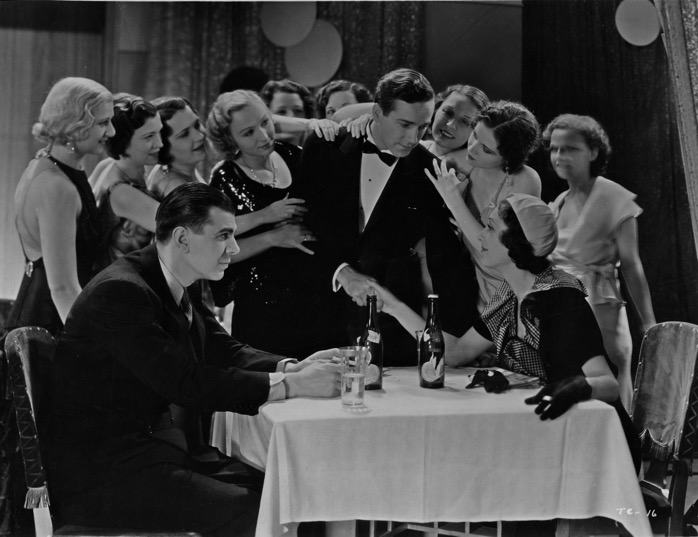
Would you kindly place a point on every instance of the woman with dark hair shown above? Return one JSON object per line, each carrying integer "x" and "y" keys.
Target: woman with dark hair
{"x": 183, "y": 146}
{"x": 340, "y": 93}
{"x": 276, "y": 299}
{"x": 290, "y": 99}
{"x": 56, "y": 215}
{"x": 597, "y": 219}
{"x": 454, "y": 117}
{"x": 538, "y": 320}
{"x": 126, "y": 207}
{"x": 492, "y": 167}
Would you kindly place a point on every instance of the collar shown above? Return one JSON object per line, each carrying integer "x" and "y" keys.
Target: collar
{"x": 369, "y": 137}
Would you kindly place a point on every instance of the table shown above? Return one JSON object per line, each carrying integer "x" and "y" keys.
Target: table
{"x": 434, "y": 455}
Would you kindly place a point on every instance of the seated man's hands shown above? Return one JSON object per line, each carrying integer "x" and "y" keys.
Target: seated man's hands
{"x": 555, "y": 399}
{"x": 316, "y": 376}
{"x": 358, "y": 286}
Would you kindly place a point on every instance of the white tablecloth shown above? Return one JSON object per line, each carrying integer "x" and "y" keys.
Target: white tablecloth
{"x": 434, "y": 455}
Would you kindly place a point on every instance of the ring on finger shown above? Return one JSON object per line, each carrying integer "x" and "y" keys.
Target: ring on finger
{"x": 547, "y": 399}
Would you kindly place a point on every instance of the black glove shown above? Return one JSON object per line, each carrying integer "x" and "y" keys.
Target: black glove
{"x": 493, "y": 381}
{"x": 555, "y": 399}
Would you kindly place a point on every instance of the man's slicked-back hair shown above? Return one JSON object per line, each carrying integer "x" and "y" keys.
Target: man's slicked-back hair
{"x": 189, "y": 205}
{"x": 404, "y": 84}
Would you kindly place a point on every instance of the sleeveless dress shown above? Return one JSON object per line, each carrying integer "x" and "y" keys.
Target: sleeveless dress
{"x": 121, "y": 235}
{"x": 589, "y": 251}
{"x": 280, "y": 305}
{"x": 33, "y": 305}
{"x": 488, "y": 280}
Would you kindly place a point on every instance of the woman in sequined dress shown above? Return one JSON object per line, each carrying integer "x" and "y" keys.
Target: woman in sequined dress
{"x": 127, "y": 209}
{"x": 278, "y": 304}
{"x": 57, "y": 219}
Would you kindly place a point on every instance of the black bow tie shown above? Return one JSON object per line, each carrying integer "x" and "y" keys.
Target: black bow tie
{"x": 387, "y": 158}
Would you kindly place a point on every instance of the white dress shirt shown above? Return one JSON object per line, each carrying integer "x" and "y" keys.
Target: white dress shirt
{"x": 374, "y": 176}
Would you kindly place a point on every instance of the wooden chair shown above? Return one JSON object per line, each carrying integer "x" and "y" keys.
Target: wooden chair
{"x": 30, "y": 352}
{"x": 665, "y": 414}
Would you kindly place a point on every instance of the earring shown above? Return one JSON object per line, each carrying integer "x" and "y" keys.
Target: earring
{"x": 70, "y": 144}
{"x": 165, "y": 169}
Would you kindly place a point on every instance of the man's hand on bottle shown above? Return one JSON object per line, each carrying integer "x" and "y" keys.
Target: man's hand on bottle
{"x": 358, "y": 286}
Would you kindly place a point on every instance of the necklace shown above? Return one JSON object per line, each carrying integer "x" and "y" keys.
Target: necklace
{"x": 271, "y": 183}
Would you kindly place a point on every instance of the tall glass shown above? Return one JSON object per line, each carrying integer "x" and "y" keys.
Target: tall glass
{"x": 353, "y": 361}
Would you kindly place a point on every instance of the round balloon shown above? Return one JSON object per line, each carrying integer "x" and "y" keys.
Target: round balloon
{"x": 287, "y": 23}
{"x": 316, "y": 59}
{"x": 637, "y": 22}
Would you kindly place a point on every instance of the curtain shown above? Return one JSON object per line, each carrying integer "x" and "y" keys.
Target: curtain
{"x": 195, "y": 44}
{"x": 679, "y": 19}
{"x": 575, "y": 61}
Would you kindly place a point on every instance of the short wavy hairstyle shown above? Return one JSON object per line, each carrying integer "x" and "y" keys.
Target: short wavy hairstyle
{"x": 189, "y": 205}
{"x": 168, "y": 107}
{"x": 476, "y": 95}
{"x": 220, "y": 119}
{"x": 515, "y": 241}
{"x": 361, "y": 93}
{"x": 593, "y": 133}
{"x": 130, "y": 114}
{"x": 289, "y": 86}
{"x": 404, "y": 84}
{"x": 69, "y": 110}
{"x": 516, "y": 129}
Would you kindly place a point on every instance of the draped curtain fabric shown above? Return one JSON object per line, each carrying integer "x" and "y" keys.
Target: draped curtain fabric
{"x": 195, "y": 44}
{"x": 575, "y": 61}
{"x": 679, "y": 19}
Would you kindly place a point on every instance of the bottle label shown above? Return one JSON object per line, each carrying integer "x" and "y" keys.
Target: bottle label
{"x": 433, "y": 369}
{"x": 374, "y": 337}
{"x": 426, "y": 336}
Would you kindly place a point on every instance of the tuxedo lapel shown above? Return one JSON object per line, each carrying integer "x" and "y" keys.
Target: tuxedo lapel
{"x": 398, "y": 180}
{"x": 350, "y": 172}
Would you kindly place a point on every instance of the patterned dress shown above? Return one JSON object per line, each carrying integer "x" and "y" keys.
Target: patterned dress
{"x": 280, "y": 304}
{"x": 121, "y": 235}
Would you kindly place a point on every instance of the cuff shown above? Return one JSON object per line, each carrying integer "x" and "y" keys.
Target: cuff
{"x": 336, "y": 286}
{"x": 281, "y": 366}
{"x": 277, "y": 388}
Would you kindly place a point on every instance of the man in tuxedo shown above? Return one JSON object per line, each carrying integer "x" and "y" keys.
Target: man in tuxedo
{"x": 136, "y": 340}
{"x": 370, "y": 202}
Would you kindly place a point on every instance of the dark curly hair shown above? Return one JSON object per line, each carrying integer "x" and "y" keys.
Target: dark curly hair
{"x": 168, "y": 107}
{"x": 130, "y": 114}
{"x": 513, "y": 238}
{"x": 404, "y": 84}
{"x": 593, "y": 133}
{"x": 516, "y": 129}
{"x": 360, "y": 92}
{"x": 289, "y": 86}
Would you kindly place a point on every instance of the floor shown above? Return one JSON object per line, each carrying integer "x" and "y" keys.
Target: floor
{"x": 528, "y": 529}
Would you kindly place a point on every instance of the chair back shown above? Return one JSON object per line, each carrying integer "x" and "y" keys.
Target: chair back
{"x": 29, "y": 351}
{"x": 665, "y": 400}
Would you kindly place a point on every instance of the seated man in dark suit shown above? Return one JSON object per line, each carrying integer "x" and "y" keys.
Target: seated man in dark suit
{"x": 134, "y": 343}
{"x": 370, "y": 202}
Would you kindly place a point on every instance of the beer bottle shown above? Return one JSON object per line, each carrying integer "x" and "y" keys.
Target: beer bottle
{"x": 371, "y": 338}
{"x": 432, "y": 349}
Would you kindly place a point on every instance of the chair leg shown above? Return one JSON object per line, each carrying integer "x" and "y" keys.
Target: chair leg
{"x": 677, "y": 497}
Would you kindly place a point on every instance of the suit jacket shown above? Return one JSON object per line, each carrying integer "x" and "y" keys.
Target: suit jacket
{"x": 408, "y": 209}
{"x": 126, "y": 354}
